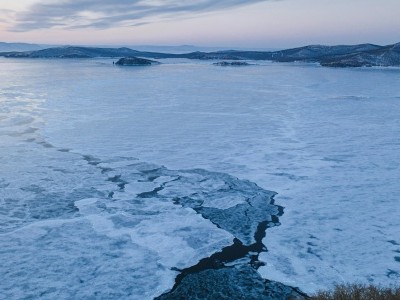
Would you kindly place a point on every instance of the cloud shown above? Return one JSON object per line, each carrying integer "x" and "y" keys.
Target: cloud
{"x": 7, "y": 15}
{"x": 102, "y": 14}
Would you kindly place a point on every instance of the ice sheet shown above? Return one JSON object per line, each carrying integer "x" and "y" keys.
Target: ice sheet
{"x": 325, "y": 139}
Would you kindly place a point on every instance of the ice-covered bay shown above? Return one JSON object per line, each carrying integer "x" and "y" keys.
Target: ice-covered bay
{"x": 76, "y": 133}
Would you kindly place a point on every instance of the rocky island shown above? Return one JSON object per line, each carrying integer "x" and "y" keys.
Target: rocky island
{"x": 135, "y": 61}
{"x": 231, "y": 64}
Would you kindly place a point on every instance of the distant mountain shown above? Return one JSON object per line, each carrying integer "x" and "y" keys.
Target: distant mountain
{"x": 186, "y": 49}
{"x": 317, "y": 52}
{"x": 73, "y": 52}
{"x": 330, "y": 56}
{"x": 173, "y": 49}
{"x": 364, "y": 55}
{"x": 94, "y": 52}
{"x": 9, "y": 47}
{"x": 383, "y": 56}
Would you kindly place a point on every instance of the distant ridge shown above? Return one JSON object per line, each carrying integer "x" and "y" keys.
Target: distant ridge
{"x": 383, "y": 56}
{"x": 8, "y": 47}
{"x": 363, "y": 55}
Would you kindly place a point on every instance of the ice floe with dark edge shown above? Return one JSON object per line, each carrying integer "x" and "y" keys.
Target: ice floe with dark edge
{"x": 120, "y": 228}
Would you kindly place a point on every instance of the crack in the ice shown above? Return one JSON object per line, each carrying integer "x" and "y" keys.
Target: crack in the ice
{"x": 231, "y": 258}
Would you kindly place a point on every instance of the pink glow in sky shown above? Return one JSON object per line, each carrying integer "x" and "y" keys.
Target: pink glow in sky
{"x": 240, "y": 23}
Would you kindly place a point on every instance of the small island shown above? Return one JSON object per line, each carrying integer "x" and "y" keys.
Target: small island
{"x": 233, "y": 64}
{"x": 135, "y": 61}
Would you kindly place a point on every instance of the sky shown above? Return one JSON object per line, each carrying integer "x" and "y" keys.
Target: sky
{"x": 236, "y": 23}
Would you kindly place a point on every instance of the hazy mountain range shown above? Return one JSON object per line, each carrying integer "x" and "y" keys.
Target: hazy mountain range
{"x": 332, "y": 56}
{"x": 7, "y": 47}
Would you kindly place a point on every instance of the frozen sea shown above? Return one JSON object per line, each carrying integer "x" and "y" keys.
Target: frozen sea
{"x": 93, "y": 158}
